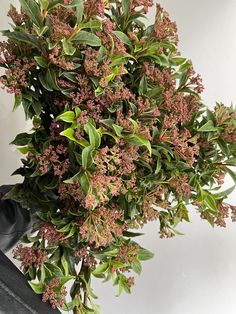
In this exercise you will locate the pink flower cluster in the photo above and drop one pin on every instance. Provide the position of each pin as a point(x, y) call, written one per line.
point(94, 8)
point(181, 185)
point(145, 4)
point(102, 226)
point(18, 75)
point(164, 28)
point(17, 18)
point(102, 188)
point(54, 293)
point(85, 255)
point(51, 159)
point(49, 233)
point(30, 256)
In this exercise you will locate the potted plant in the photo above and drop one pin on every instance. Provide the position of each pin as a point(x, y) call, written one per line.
point(120, 137)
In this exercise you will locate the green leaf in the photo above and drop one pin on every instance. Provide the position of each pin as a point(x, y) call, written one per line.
point(22, 139)
point(84, 181)
point(208, 127)
point(178, 61)
point(87, 38)
point(144, 255)
point(41, 31)
point(31, 8)
point(102, 268)
point(74, 179)
point(71, 76)
point(140, 141)
point(54, 269)
point(41, 61)
point(154, 92)
point(107, 122)
point(80, 11)
point(118, 129)
point(126, 7)
point(209, 201)
point(23, 37)
point(225, 193)
point(68, 48)
point(87, 310)
point(92, 24)
point(87, 157)
point(65, 228)
point(37, 106)
point(53, 4)
point(18, 100)
point(52, 79)
point(70, 134)
point(123, 37)
point(94, 136)
point(134, 123)
point(143, 86)
point(130, 234)
point(48, 80)
point(37, 287)
point(231, 173)
point(71, 233)
point(137, 267)
point(65, 279)
point(44, 4)
point(65, 265)
point(68, 116)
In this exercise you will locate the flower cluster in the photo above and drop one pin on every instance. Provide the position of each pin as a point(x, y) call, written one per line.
point(30, 257)
point(49, 233)
point(102, 226)
point(164, 28)
point(51, 159)
point(54, 294)
point(17, 76)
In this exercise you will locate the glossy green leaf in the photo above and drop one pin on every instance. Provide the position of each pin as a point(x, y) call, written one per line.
point(126, 7)
point(143, 86)
point(144, 255)
point(31, 8)
point(231, 173)
point(68, 48)
point(87, 38)
point(92, 24)
point(87, 157)
point(44, 4)
point(137, 267)
point(37, 287)
point(23, 37)
point(41, 61)
point(18, 101)
point(102, 268)
point(118, 129)
point(68, 116)
point(123, 37)
point(80, 11)
point(94, 136)
point(70, 134)
point(209, 201)
point(22, 139)
point(208, 127)
point(41, 31)
point(140, 141)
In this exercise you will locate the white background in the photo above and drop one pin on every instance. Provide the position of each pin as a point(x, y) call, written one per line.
point(190, 274)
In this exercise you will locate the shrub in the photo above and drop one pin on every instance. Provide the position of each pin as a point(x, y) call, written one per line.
point(120, 137)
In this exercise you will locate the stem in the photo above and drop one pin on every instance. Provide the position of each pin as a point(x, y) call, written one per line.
point(81, 286)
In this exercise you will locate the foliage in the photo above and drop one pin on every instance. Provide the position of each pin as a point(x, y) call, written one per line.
point(120, 137)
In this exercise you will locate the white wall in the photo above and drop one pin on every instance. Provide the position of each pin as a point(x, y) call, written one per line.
point(194, 273)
